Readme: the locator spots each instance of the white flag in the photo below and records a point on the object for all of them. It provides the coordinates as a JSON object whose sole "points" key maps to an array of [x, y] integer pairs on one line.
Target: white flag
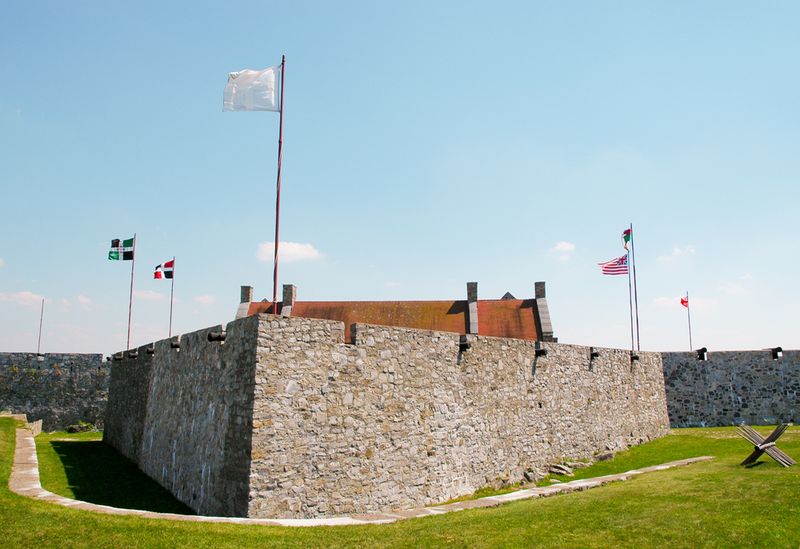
{"points": [[250, 90]]}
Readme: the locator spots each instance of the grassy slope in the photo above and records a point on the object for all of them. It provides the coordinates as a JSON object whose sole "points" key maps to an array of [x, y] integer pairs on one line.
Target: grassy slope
{"points": [[716, 503], [80, 466]]}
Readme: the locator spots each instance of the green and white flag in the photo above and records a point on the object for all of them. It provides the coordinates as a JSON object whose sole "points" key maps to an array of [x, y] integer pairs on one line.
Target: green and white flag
{"points": [[121, 249]]}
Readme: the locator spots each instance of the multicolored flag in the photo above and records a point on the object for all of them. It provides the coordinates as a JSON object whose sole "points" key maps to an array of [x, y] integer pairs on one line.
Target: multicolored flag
{"points": [[626, 237], [685, 301], [253, 90], [121, 249], [165, 270], [618, 266]]}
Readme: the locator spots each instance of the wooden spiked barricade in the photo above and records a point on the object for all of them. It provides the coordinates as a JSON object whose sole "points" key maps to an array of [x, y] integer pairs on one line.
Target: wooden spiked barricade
{"points": [[763, 445]]}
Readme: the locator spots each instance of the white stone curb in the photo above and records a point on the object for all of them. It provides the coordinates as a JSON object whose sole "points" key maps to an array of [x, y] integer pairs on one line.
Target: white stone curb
{"points": [[24, 480]]}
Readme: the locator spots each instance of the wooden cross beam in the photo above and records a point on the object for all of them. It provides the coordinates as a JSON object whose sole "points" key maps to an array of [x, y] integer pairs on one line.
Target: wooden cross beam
{"points": [[763, 445]]}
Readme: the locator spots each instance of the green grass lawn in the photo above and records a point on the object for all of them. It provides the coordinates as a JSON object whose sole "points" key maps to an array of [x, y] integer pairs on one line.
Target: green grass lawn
{"points": [[710, 504], [80, 466]]}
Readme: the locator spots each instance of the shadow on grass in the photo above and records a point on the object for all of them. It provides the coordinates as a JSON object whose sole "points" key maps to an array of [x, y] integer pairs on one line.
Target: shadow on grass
{"points": [[99, 474]]}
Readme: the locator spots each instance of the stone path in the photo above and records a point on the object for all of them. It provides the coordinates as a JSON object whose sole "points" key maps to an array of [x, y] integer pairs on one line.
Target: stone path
{"points": [[24, 480]]}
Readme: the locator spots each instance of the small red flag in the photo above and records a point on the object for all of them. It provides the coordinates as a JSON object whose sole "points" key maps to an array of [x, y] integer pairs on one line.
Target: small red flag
{"points": [[685, 301], [165, 270]]}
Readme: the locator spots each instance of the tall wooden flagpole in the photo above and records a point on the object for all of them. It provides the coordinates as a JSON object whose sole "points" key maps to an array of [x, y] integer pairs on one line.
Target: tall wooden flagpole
{"points": [[278, 196], [41, 318], [689, 318], [171, 293], [635, 291], [130, 299]]}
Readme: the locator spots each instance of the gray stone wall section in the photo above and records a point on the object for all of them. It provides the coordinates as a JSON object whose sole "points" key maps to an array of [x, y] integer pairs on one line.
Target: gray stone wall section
{"points": [[732, 387], [196, 440], [395, 421], [126, 410], [60, 390]]}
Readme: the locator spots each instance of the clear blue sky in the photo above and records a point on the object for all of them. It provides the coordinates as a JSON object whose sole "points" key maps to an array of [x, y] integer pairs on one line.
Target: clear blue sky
{"points": [[426, 144]]}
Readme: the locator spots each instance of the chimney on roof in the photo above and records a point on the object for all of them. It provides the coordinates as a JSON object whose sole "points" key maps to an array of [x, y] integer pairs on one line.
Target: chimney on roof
{"points": [[244, 302], [472, 308], [289, 297], [544, 327]]}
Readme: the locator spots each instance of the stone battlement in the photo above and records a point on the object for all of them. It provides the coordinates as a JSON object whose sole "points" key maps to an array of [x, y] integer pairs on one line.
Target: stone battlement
{"points": [[284, 419]]}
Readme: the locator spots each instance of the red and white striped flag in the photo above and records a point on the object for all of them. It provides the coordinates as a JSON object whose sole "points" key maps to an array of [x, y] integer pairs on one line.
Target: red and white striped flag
{"points": [[618, 266], [165, 270], [685, 301]]}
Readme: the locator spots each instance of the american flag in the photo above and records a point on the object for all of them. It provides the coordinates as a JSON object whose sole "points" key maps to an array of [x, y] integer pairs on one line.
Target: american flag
{"points": [[618, 266]]}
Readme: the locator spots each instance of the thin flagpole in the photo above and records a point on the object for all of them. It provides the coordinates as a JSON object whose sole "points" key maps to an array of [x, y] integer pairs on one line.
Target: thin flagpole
{"points": [[278, 196], [635, 291], [130, 299], [630, 298], [171, 293], [41, 318], [689, 318]]}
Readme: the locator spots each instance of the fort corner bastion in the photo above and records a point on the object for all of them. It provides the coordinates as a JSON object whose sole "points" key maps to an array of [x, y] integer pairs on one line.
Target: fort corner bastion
{"points": [[286, 418]]}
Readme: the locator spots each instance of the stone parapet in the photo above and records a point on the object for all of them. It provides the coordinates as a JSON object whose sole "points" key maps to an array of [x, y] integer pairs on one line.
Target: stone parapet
{"points": [[58, 388], [285, 420], [732, 387]]}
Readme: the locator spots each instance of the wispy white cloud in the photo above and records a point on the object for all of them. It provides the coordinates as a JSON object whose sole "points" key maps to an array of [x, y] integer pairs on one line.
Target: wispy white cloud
{"points": [[563, 250], [746, 276], [205, 299], [149, 295], [288, 252], [734, 289], [2, 262], [26, 299], [85, 302], [678, 252]]}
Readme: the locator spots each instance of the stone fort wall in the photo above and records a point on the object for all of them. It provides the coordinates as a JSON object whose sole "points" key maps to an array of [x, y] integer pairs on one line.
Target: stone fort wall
{"points": [[59, 389], [284, 419], [184, 415], [732, 387]]}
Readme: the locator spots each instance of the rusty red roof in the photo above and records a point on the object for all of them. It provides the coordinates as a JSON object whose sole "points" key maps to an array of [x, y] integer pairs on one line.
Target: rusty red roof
{"points": [[501, 318]]}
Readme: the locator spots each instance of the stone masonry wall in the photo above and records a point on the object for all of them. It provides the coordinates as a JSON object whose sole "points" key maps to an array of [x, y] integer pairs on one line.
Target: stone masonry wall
{"points": [[61, 390], [402, 418], [185, 416], [732, 387], [126, 410]]}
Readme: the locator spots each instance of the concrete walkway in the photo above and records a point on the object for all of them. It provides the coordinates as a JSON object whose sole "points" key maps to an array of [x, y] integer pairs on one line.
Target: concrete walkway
{"points": [[24, 480]]}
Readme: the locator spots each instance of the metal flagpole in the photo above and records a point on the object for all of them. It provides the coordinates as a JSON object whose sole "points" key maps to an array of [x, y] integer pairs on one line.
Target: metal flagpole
{"points": [[41, 317], [278, 196], [689, 318], [630, 297], [171, 293], [635, 291], [130, 300]]}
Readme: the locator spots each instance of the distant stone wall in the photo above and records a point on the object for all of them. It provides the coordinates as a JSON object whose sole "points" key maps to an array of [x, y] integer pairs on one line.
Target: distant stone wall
{"points": [[402, 418], [185, 416], [60, 390], [284, 419], [732, 387]]}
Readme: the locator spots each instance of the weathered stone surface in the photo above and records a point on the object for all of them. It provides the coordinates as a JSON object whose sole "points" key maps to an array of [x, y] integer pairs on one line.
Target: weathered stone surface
{"points": [[578, 464], [285, 420], [561, 469], [732, 387], [61, 389], [185, 416]]}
